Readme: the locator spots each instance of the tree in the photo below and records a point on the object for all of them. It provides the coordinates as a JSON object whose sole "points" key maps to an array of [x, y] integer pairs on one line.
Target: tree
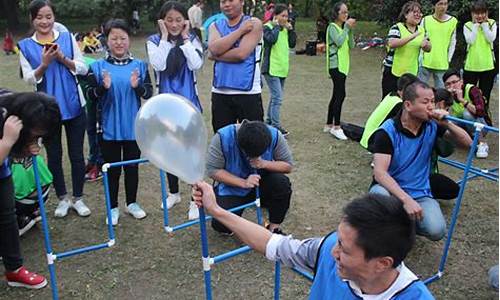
{"points": [[10, 11]]}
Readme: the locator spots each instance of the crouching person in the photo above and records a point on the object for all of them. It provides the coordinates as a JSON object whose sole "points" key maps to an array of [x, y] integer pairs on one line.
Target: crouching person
{"points": [[244, 157]]}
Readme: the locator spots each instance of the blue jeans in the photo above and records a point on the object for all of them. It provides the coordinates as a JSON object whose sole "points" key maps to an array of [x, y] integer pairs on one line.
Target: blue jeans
{"points": [[75, 133], [95, 156], [433, 224], [276, 86], [425, 74]]}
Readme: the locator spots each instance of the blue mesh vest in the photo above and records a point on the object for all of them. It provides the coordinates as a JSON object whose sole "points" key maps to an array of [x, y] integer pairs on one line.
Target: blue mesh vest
{"points": [[58, 81], [236, 161], [4, 169], [182, 83], [327, 285], [410, 163], [120, 104], [235, 76]]}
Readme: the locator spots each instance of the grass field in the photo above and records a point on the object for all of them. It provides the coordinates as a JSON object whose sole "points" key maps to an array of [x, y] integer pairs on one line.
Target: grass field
{"points": [[146, 263]]}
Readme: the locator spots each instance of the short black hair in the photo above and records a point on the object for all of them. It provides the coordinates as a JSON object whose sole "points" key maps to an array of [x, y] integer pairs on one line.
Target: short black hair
{"points": [[479, 7], [116, 24], [279, 8], [451, 72], [37, 111], [434, 2], [35, 6], [336, 9], [443, 95], [410, 92], [254, 138], [383, 226], [405, 80]]}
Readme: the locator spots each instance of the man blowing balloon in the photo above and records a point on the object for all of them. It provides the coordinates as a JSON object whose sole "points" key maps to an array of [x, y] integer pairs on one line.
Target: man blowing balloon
{"points": [[242, 158]]}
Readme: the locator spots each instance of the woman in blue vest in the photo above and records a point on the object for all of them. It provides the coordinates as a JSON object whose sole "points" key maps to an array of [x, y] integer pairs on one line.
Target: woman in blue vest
{"points": [[119, 81], [175, 54], [480, 35], [339, 42], [50, 59], [26, 120], [279, 37]]}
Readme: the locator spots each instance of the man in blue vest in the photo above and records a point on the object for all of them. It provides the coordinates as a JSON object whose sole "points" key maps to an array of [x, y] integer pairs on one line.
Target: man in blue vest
{"points": [[363, 259], [235, 44], [242, 158], [402, 149]]}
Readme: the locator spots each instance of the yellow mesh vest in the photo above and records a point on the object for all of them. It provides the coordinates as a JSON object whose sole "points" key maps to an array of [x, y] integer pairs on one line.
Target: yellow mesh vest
{"points": [[406, 57], [439, 34], [480, 53]]}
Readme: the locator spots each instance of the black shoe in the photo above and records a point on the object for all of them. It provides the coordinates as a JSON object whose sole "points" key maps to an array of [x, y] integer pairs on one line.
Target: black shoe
{"points": [[283, 131], [276, 230], [24, 223]]}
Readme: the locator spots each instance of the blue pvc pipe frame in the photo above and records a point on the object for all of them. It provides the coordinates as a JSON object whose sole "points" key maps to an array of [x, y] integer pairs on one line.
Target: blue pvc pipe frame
{"points": [[51, 256], [468, 168], [209, 261], [491, 174]]}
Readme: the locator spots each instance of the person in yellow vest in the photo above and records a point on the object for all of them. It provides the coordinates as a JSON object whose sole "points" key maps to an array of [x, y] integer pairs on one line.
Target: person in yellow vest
{"points": [[388, 108], [441, 30], [480, 33], [339, 41], [404, 41], [468, 104], [279, 37]]}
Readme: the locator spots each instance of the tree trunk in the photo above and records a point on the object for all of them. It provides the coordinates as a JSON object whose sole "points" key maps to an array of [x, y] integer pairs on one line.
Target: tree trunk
{"points": [[11, 13]]}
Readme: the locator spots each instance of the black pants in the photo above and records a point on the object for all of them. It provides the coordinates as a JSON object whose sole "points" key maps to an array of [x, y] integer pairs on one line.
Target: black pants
{"points": [[389, 82], [486, 81], [275, 194], [229, 109], [173, 183], [338, 96], [112, 152], [27, 209], [10, 250], [75, 132], [443, 187]]}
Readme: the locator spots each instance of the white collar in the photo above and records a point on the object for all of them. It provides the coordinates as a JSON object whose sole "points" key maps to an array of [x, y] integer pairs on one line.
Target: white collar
{"points": [[404, 279], [55, 32]]}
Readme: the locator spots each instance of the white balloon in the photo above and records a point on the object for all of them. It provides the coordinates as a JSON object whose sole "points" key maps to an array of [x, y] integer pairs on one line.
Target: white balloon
{"points": [[171, 133]]}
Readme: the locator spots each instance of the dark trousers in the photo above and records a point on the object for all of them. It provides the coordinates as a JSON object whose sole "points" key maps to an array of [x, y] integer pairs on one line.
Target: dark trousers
{"points": [[95, 156], [443, 187], [27, 209], [338, 96], [230, 109], [275, 194], [389, 82], [10, 250], [173, 183], [112, 152], [75, 132], [486, 81]]}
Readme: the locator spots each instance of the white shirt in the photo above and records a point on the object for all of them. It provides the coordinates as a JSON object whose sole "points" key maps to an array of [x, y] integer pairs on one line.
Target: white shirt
{"points": [[490, 34], [195, 15], [29, 73]]}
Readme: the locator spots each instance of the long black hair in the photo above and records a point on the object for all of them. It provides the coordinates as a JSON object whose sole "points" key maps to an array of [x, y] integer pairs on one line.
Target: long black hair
{"points": [[38, 112]]}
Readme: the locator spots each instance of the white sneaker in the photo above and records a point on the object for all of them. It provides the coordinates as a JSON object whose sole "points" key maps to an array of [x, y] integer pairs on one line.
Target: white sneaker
{"points": [[327, 128], [172, 199], [193, 213], [136, 211], [338, 133], [482, 150], [115, 215], [81, 209], [63, 207]]}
